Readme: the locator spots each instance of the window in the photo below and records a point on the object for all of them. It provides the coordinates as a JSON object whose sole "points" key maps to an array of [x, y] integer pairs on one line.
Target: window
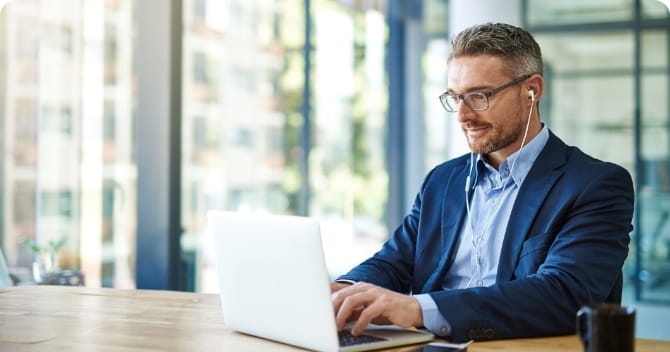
{"points": [[259, 164], [580, 71], [548, 12], [654, 194], [63, 112], [237, 97], [348, 175], [440, 136]]}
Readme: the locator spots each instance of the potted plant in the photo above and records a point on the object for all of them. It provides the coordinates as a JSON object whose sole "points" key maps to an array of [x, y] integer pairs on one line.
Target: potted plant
{"points": [[46, 256]]}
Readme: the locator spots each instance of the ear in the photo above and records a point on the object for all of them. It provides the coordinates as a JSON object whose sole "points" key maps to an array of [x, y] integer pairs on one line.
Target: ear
{"points": [[534, 83]]}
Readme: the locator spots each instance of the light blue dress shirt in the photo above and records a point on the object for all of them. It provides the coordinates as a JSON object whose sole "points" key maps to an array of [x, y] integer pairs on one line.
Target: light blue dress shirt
{"points": [[480, 241]]}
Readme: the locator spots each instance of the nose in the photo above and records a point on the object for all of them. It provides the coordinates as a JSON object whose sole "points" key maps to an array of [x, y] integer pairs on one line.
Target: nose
{"points": [[464, 113]]}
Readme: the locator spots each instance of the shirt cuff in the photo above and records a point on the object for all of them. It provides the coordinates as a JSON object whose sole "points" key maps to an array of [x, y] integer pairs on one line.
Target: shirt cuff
{"points": [[432, 318]]}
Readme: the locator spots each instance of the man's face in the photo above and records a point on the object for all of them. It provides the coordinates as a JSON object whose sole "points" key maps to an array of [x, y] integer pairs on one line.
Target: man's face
{"points": [[500, 128]]}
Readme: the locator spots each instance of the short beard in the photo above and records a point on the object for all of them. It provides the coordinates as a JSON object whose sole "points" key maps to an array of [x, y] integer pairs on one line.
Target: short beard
{"points": [[499, 141]]}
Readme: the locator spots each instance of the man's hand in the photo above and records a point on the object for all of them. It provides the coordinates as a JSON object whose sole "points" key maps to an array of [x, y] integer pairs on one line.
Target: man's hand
{"points": [[336, 286], [367, 303]]}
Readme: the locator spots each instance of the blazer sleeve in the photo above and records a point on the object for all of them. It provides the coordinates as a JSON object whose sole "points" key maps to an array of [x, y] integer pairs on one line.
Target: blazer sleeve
{"points": [[574, 258], [392, 267]]}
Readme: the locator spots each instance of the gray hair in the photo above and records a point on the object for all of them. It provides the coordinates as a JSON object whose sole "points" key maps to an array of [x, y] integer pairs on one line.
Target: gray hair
{"points": [[513, 44]]}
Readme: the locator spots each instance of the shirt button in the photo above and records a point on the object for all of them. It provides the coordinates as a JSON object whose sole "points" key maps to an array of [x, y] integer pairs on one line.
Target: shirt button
{"points": [[480, 283]]}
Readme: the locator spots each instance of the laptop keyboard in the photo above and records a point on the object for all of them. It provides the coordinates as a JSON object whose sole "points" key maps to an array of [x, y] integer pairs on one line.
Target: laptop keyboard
{"points": [[347, 339]]}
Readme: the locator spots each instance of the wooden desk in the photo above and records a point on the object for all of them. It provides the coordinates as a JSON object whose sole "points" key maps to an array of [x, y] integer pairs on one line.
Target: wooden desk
{"points": [[56, 318]]}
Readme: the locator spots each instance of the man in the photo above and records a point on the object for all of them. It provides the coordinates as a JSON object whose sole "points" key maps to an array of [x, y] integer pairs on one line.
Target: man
{"points": [[511, 239]]}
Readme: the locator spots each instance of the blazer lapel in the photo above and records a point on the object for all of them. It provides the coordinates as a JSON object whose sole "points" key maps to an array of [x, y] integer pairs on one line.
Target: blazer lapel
{"points": [[453, 214], [541, 178]]}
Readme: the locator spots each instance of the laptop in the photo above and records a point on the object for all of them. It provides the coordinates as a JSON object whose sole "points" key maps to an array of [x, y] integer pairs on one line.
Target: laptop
{"points": [[274, 283]]}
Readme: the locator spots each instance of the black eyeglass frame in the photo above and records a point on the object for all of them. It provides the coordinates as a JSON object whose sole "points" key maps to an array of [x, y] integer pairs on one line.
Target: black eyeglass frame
{"points": [[443, 97]]}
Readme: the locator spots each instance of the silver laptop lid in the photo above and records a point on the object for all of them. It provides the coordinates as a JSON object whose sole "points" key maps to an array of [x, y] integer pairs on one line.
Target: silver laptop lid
{"points": [[273, 279]]}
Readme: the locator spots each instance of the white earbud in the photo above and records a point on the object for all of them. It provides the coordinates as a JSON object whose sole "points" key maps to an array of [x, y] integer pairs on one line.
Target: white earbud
{"points": [[532, 94]]}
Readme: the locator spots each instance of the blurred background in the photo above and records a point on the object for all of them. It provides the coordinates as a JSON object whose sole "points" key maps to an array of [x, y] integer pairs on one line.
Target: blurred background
{"points": [[123, 121]]}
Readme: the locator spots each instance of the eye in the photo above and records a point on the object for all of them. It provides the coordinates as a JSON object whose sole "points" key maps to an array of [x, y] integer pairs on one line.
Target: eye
{"points": [[477, 98]]}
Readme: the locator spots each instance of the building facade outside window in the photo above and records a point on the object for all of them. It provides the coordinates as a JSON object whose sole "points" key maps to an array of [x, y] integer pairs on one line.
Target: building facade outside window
{"points": [[67, 142], [242, 122]]}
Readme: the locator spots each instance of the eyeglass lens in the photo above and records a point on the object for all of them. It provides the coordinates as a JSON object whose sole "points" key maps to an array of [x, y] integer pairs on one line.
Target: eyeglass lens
{"points": [[474, 100]]}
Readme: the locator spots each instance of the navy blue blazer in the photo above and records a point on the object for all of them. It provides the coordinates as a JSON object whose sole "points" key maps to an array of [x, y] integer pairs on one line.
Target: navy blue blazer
{"points": [[564, 247]]}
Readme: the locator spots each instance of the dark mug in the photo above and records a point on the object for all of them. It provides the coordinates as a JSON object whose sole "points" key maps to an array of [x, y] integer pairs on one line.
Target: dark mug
{"points": [[606, 327]]}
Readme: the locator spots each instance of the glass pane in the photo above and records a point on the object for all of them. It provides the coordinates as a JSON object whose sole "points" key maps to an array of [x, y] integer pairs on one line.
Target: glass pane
{"points": [[242, 90], [435, 18], [347, 162], [654, 9], [438, 124], [590, 77], [551, 12], [68, 171], [591, 52], [654, 195]]}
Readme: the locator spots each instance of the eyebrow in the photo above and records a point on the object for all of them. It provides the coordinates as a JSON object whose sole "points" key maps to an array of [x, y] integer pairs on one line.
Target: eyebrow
{"points": [[473, 89]]}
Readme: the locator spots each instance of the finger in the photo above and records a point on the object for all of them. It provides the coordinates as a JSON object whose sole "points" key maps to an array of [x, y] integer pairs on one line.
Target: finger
{"points": [[367, 315], [393, 308], [339, 296], [354, 315], [351, 304], [346, 310]]}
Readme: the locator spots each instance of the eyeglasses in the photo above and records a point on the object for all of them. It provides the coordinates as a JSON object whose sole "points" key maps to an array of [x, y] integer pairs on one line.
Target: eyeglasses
{"points": [[477, 101]]}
